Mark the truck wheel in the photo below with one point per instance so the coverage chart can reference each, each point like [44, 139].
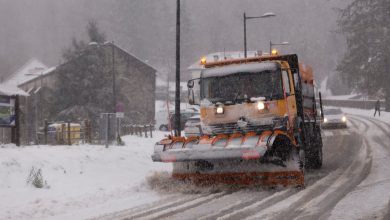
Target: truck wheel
[314, 158]
[314, 154]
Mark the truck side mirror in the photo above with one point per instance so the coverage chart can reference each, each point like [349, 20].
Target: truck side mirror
[194, 91]
[190, 84]
[322, 110]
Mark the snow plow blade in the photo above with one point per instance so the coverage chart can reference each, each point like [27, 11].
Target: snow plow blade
[235, 159]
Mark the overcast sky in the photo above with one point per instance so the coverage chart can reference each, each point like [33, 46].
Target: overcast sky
[146, 28]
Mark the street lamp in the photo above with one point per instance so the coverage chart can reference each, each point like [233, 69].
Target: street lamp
[177, 92]
[265, 15]
[273, 44]
[114, 100]
[96, 44]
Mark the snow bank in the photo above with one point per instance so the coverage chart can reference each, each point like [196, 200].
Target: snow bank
[370, 199]
[84, 181]
[385, 116]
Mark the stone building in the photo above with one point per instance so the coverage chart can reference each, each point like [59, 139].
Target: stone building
[135, 84]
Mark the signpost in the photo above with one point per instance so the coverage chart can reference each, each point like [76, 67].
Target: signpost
[119, 114]
[9, 116]
[7, 111]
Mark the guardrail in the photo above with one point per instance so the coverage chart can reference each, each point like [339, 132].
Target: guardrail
[362, 104]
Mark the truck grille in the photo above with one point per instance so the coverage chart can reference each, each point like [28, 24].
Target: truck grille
[233, 128]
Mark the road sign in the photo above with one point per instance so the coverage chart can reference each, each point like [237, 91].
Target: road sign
[119, 107]
[120, 114]
[7, 111]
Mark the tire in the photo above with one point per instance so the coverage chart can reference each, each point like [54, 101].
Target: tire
[163, 128]
[314, 158]
[313, 155]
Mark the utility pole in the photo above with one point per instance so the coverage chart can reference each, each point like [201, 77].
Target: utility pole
[113, 77]
[116, 137]
[177, 97]
[245, 55]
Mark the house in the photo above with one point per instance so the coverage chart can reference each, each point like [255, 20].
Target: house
[135, 83]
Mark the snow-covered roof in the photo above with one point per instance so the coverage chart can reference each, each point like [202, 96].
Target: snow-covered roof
[219, 56]
[247, 68]
[32, 69]
[145, 62]
[10, 90]
[38, 75]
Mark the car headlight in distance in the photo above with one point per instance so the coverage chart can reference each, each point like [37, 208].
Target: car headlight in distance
[325, 120]
[260, 105]
[220, 110]
[344, 119]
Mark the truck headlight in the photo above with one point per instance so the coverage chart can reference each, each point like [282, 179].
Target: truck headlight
[325, 120]
[344, 119]
[220, 110]
[260, 105]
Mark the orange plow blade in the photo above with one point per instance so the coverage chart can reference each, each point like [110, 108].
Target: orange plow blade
[235, 159]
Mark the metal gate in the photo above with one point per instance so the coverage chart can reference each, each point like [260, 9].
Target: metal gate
[107, 128]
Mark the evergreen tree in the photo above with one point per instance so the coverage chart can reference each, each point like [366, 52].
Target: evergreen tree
[366, 64]
[82, 90]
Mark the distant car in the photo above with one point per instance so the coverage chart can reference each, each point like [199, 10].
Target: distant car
[334, 118]
[192, 126]
[184, 116]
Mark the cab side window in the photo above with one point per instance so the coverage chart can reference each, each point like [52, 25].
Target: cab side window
[286, 82]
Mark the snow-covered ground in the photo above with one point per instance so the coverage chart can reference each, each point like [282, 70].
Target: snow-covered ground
[87, 181]
[385, 116]
[84, 181]
[373, 193]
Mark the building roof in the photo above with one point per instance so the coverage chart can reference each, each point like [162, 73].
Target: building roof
[143, 63]
[11, 90]
[29, 71]
[32, 69]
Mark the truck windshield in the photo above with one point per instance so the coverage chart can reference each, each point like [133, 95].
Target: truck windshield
[241, 86]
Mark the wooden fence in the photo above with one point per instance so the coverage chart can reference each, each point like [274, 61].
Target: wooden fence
[138, 130]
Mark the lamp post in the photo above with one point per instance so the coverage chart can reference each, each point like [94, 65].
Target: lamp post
[97, 45]
[265, 15]
[114, 101]
[113, 77]
[177, 94]
[273, 44]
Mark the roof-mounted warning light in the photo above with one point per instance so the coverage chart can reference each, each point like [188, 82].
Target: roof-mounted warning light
[203, 60]
[274, 52]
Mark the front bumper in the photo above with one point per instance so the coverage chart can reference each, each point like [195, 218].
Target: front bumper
[214, 153]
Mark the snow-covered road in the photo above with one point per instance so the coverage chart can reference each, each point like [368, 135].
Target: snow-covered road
[92, 182]
[354, 183]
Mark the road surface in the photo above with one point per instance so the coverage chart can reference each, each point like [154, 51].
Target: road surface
[354, 183]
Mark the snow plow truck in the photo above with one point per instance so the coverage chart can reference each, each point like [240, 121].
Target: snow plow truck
[258, 124]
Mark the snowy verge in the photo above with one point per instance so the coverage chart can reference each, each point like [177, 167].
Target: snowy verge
[83, 180]
[370, 199]
[385, 116]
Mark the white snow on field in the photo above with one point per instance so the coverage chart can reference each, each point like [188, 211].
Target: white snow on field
[84, 181]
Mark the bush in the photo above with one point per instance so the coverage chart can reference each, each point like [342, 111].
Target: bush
[35, 178]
